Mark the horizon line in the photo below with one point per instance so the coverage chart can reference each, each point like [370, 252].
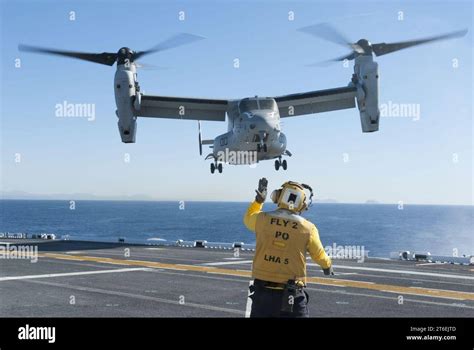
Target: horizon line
[225, 201]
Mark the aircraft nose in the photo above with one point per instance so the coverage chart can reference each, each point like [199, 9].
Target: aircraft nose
[258, 122]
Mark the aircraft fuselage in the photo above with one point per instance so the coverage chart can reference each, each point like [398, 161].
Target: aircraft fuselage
[254, 130]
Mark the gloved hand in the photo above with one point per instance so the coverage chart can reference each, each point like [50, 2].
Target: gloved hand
[328, 271]
[261, 191]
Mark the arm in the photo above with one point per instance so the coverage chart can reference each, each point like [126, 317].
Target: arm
[250, 217]
[316, 250]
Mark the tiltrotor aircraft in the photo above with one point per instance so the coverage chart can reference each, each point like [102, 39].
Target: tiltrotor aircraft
[254, 131]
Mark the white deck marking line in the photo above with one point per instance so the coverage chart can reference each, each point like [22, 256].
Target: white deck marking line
[248, 308]
[220, 263]
[405, 272]
[430, 263]
[343, 292]
[49, 275]
[420, 295]
[68, 262]
[226, 271]
[141, 297]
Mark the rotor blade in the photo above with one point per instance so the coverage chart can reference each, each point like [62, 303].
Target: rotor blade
[146, 66]
[174, 41]
[384, 48]
[325, 63]
[106, 58]
[349, 57]
[326, 32]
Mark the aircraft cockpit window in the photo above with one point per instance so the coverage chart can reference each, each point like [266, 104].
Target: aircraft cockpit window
[248, 105]
[267, 104]
[255, 104]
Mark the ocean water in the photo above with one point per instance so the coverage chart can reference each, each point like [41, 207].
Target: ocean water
[381, 229]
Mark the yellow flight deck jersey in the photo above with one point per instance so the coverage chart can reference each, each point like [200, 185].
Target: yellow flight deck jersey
[283, 238]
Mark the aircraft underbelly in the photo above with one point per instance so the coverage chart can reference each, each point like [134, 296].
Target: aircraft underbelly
[248, 150]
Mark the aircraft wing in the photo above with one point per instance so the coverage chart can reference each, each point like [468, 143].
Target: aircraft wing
[316, 101]
[181, 108]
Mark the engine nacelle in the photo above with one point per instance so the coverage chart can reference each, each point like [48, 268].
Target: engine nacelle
[125, 91]
[127, 126]
[367, 82]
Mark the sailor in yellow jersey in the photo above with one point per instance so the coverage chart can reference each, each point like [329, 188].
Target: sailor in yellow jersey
[283, 238]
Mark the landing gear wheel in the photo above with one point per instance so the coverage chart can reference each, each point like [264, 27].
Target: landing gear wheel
[213, 168]
[265, 147]
[219, 167]
[284, 164]
[277, 165]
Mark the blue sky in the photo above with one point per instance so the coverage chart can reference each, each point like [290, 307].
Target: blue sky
[409, 161]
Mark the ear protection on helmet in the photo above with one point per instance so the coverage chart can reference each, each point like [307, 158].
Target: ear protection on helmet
[291, 196]
[275, 195]
[309, 203]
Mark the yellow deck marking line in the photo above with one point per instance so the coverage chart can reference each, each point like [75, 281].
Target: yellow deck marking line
[436, 293]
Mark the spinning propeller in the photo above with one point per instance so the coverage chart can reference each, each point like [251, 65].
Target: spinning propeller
[124, 54]
[366, 48]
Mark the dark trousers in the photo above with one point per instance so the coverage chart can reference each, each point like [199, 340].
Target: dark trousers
[267, 302]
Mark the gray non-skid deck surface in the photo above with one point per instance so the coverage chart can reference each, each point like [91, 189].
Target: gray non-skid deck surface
[72, 279]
